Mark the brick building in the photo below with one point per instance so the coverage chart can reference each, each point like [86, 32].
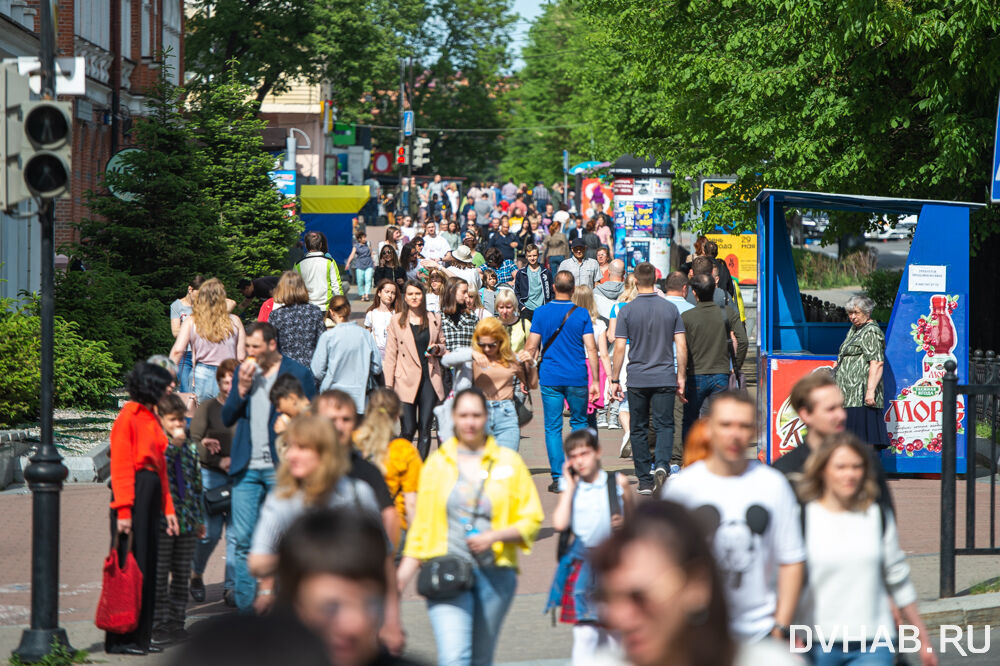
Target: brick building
[121, 41]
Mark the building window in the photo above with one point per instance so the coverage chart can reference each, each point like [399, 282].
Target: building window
[93, 21]
[126, 25]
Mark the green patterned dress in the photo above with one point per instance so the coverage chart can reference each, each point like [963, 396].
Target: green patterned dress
[862, 345]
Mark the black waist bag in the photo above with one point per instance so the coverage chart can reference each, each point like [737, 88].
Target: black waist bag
[219, 500]
[445, 577]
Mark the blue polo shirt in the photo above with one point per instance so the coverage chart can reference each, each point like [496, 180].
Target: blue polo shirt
[565, 362]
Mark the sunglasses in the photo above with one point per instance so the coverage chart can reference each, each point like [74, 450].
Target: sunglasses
[489, 345]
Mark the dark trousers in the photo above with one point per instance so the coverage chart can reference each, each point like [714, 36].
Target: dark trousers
[418, 416]
[658, 403]
[173, 577]
[145, 537]
[677, 458]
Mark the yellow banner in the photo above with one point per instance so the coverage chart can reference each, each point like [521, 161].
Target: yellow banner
[739, 251]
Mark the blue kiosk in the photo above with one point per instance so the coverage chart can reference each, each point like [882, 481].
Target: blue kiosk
[929, 325]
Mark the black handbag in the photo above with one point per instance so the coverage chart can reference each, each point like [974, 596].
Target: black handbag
[219, 500]
[447, 576]
[523, 405]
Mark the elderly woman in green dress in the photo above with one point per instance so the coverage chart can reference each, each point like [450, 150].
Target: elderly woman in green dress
[860, 362]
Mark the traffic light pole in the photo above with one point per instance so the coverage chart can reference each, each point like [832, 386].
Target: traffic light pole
[46, 473]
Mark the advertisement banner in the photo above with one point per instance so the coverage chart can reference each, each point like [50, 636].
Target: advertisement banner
[622, 187]
[916, 355]
[284, 181]
[596, 194]
[739, 251]
[787, 430]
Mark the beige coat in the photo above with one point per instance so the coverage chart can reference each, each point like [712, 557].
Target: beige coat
[401, 364]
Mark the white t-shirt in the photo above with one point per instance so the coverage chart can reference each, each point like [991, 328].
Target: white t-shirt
[470, 275]
[435, 248]
[409, 233]
[377, 322]
[753, 520]
[433, 302]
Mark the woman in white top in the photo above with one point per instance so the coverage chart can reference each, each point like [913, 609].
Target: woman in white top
[214, 336]
[180, 310]
[380, 313]
[853, 560]
[583, 297]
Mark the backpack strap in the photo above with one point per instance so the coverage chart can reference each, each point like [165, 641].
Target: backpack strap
[613, 502]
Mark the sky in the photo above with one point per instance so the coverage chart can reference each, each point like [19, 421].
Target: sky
[528, 10]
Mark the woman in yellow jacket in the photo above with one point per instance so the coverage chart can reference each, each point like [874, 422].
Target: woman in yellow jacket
[476, 503]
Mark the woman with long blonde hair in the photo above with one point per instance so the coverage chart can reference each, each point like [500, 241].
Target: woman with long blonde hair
[491, 366]
[312, 475]
[583, 297]
[378, 440]
[214, 336]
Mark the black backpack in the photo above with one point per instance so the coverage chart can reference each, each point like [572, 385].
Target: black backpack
[566, 536]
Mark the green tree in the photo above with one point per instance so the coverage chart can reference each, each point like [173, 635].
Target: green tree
[140, 250]
[259, 229]
[270, 43]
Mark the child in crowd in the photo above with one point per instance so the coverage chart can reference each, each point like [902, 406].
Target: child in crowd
[175, 553]
[488, 292]
[289, 400]
[592, 503]
[436, 279]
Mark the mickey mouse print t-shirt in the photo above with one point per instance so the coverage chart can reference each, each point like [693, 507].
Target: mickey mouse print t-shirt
[753, 523]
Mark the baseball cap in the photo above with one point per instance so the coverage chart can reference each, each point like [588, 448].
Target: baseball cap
[577, 242]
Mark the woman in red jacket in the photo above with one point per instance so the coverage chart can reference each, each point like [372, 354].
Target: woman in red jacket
[140, 493]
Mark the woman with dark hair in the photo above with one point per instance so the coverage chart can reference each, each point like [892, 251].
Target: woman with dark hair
[298, 322]
[591, 239]
[388, 268]
[379, 315]
[180, 310]
[140, 493]
[413, 348]
[457, 322]
[476, 504]
[409, 258]
[853, 558]
[393, 238]
[555, 248]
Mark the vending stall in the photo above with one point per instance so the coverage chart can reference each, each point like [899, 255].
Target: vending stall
[929, 326]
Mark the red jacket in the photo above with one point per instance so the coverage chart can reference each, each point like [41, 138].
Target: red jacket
[137, 442]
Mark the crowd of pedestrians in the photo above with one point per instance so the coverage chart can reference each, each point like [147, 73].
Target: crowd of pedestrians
[347, 456]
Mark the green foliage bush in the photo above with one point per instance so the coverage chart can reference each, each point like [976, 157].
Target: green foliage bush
[816, 270]
[85, 371]
[881, 286]
[115, 307]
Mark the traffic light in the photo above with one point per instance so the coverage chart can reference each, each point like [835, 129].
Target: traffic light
[402, 154]
[421, 150]
[15, 95]
[48, 127]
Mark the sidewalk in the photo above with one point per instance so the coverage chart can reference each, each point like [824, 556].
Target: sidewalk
[527, 634]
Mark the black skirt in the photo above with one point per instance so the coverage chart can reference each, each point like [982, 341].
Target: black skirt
[868, 425]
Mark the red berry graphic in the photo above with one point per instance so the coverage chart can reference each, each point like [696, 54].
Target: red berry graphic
[917, 445]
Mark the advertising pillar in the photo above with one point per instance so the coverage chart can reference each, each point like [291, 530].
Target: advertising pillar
[642, 192]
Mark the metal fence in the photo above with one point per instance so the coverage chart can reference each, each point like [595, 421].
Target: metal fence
[982, 408]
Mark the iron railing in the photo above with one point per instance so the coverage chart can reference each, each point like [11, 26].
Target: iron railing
[982, 405]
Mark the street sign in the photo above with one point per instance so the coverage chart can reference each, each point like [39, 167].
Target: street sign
[995, 184]
[117, 165]
[382, 162]
[407, 123]
[711, 187]
[565, 161]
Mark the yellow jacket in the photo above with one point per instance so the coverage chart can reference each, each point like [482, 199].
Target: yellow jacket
[509, 487]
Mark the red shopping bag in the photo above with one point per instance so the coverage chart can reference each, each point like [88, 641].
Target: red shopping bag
[121, 592]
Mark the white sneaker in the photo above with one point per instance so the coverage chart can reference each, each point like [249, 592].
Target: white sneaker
[659, 477]
[602, 421]
[626, 449]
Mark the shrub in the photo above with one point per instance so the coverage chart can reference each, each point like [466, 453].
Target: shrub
[114, 307]
[881, 286]
[84, 369]
[816, 270]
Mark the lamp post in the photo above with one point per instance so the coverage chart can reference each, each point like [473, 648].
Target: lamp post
[46, 473]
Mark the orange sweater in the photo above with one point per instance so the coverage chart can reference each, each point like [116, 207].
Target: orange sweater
[137, 442]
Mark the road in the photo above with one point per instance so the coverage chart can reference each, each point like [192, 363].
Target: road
[891, 254]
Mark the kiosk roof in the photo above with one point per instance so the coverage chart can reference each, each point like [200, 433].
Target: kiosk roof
[855, 202]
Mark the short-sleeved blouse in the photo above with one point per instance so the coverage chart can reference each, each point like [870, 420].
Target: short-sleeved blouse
[861, 346]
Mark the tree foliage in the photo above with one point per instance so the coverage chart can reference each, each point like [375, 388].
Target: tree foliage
[258, 227]
[271, 43]
[893, 98]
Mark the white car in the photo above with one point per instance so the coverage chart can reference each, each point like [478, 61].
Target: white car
[902, 231]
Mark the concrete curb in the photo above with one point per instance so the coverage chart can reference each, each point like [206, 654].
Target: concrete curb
[974, 609]
[12, 448]
[94, 466]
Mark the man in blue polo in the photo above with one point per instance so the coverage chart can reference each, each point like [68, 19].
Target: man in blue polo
[563, 335]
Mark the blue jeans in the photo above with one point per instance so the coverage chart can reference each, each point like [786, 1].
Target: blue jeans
[880, 656]
[203, 382]
[466, 627]
[698, 392]
[250, 488]
[184, 373]
[553, 398]
[212, 478]
[554, 261]
[657, 402]
[364, 279]
[502, 423]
